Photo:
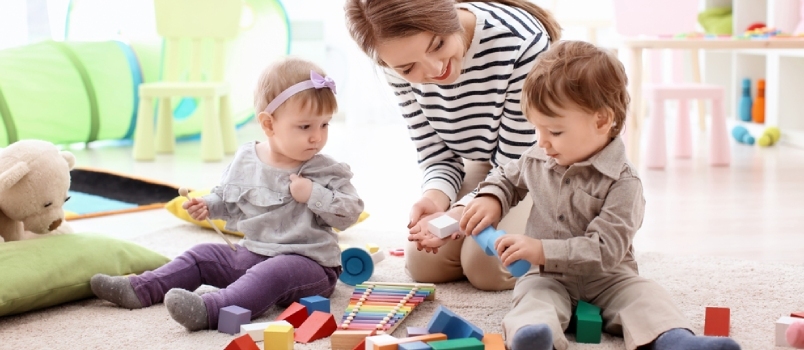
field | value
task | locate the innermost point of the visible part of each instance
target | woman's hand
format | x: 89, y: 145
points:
x: 513, y: 247
x: 420, y: 233
x: 481, y: 212
x: 300, y: 188
x: 197, y: 208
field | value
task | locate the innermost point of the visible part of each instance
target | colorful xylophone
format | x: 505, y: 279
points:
x: 378, y: 308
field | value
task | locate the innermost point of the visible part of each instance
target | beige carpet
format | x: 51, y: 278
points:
x: 758, y: 293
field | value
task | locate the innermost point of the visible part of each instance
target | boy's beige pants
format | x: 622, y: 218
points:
x: 637, y: 308
x: 463, y: 257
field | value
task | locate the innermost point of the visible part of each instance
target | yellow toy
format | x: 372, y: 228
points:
x: 769, y: 137
x: 34, y: 179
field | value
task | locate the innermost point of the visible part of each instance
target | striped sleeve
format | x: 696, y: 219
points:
x: 516, y: 133
x: 443, y: 169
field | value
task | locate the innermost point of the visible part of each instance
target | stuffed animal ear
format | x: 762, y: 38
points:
x: 69, y: 157
x: 11, y: 176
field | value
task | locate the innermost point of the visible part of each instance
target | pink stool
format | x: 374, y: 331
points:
x: 720, y: 153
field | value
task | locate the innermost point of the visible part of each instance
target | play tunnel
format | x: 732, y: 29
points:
x: 84, y: 91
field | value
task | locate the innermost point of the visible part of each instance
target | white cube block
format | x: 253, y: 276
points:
x: 256, y: 330
x: 382, y: 339
x: 781, y: 328
x: 443, y: 226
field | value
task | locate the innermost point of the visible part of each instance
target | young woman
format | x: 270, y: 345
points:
x: 457, y: 69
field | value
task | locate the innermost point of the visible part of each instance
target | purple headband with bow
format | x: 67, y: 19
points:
x: 316, y: 82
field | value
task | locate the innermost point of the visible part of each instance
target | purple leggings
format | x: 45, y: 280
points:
x: 246, y: 279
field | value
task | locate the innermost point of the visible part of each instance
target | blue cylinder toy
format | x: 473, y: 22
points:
x: 745, y: 101
x: 741, y: 134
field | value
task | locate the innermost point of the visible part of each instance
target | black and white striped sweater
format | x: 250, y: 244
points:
x: 478, y: 117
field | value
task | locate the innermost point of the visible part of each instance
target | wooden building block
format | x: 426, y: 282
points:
x: 588, y: 323
x: 394, y: 345
x: 717, y: 321
x: 319, y: 325
x: 419, y: 345
x: 256, y: 330
x: 494, y: 341
x: 295, y: 314
x: 797, y: 314
x: 278, y: 337
x: 443, y: 226
x: 375, y: 341
x: 243, y: 342
x: 231, y: 317
x: 417, y: 331
x: 372, y: 248
x: 782, y: 324
x: 315, y: 303
x: 454, y: 326
x: 457, y: 344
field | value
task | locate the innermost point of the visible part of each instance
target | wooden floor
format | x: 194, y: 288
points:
x: 753, y: 209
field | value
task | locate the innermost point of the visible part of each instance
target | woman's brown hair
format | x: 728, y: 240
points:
x: 579, y: 73
x: 373, y: 21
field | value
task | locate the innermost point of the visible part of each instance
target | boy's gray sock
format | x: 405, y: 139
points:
x: 533, y: 337
x: 187, y: 308
x: 682, y: 339
x: 117, y: 290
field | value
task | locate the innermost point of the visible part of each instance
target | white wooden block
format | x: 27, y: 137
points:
x: 781, y: 328
x: 256, y: 330
x: 443, y: 226
x: 382, y: 339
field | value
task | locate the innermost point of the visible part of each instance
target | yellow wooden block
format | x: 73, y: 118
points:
x: 372, y: 248
x: 278, y: 337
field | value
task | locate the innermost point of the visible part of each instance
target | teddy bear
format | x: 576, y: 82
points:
x: 34, y: 180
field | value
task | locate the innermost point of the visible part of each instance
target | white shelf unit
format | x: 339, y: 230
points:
x: 783, y: 70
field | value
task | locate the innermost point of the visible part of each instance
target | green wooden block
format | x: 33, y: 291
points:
x: 588, y: 328
x: 457, y: 344
x: 585, y: 308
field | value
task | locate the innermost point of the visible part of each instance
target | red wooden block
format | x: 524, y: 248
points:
x: 318, y: 325
x: 717, y: 321
x: 797, y: 314
x: 295, y: 314
x: 243, y: 342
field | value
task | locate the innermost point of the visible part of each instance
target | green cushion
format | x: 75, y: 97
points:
x: 48, y: 271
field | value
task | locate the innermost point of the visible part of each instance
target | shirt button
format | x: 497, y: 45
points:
x: 318, y: 204
x: 566, y: 181
x: 561, y: 217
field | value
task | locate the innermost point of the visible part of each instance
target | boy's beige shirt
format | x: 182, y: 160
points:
x: 585, y: 214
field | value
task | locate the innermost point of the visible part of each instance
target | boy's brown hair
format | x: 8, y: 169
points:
x: 579, y: 73
x: 286, y: 73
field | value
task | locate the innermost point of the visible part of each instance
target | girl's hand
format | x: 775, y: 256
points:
x: 481, y: 212
x: 300, y: 188
x: 197, y: 208
x: 513, y: 247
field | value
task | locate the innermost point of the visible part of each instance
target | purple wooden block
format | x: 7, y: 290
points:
x: 231, y: 317
x: 417, y: 331
x: 419, y: 345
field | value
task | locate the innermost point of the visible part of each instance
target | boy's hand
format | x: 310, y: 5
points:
x: 513, y: 247
x: 197, y: 208
x: 481, y: 212
x: 420, y: 233
x: 300, y: 188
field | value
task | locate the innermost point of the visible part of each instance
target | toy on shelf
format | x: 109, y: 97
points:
x: 717, y: 321
x: 795, y: 334
x: 745, y: 101
x: 769, y: 137
x: 758, y: 109
x: 486, y: 239
x: 231, y: 318
x: 358, y: 265
x: 741, y: 134
x: 378, y: 308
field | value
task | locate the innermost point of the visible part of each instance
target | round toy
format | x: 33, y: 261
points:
x: 357, y: 266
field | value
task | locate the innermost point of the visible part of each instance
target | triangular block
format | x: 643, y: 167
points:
x: 243, y: 342
x: 295, y: 314
x: 318, y: 325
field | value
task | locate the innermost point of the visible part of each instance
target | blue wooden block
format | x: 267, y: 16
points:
x: 315, y: 303
x: 486, y: 240
x: 453, y: 326
x: 230, y: 319
x: 419, y: 345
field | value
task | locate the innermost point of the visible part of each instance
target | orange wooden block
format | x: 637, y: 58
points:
x: 717, y: 320
x: 295, y: 314
x: 493, y: 341
x: 425, y: 338
x: 362, y: 344
x: 318, y: 325
x: 243, y: 342
x: 798, y: 314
